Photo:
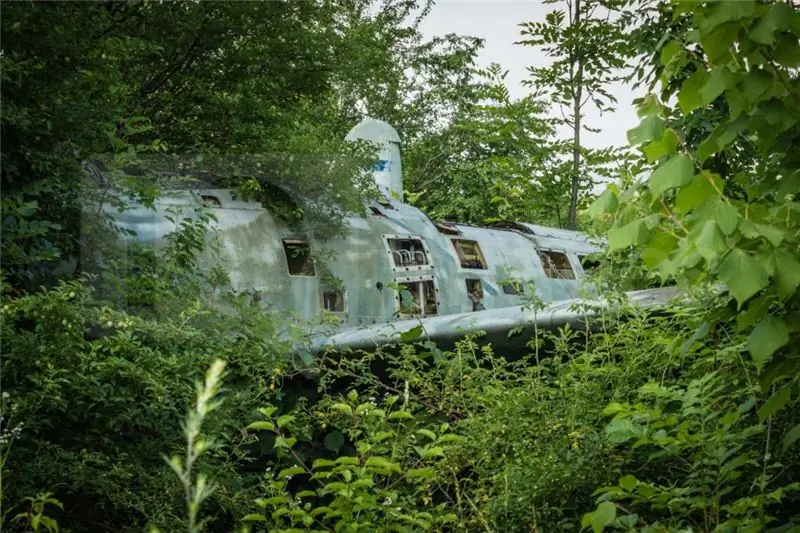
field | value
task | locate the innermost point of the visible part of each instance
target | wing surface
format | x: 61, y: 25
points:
x: 496, y: 323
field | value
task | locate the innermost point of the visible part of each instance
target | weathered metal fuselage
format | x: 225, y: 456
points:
x: 395, y: 263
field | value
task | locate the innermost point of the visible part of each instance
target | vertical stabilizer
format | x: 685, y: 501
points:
x: 388, y: 172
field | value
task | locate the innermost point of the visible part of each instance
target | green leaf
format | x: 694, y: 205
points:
x: 649, y: 129
x: 726, y: 215
x: 397, y: 415
x: 763, y: 31
x: 751, y: 230
x: 677, y: 171
x: 743, y: 274
x: 757, y: 309
x: 427, y: 433
x: 291, y: 471
x: 703, y: 186
x: 254, y: 518
x: 649, y: 107
x: 628, y: 482
x: 715, y: 85
x: 666, y: 146
x: 631, y: 234
x: 668, y: 51
x: 412, y: 334
x: 658, y: 249
x: 710, y: 241
x: 342, y: 408
x: 776, y: 402
x: 282, y: 442
x: 435, y: 451
x: 268, y: 411
x: 605, y: 203
x: 791, y: 437
x: 322, y: 463
x: 689, y: 95
x: 285, y: 420
x: 384, y: 464
x: 787, y: 273
x: 27, y: 209
x: 421, y: 473
x: 334, y: 441
x: 768, y: 336
x: 605, y: 514
x: 613, y: 408
x: 262, y: 425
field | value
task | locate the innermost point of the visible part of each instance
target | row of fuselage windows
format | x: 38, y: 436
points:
x: 419, y: 298
x: 411, y: 252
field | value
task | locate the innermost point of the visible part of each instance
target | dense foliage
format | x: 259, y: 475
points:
x: 685, y: 420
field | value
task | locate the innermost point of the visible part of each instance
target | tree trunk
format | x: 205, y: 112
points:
x: 577, y: 93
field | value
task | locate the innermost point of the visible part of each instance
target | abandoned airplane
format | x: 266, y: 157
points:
x: 397, y: 269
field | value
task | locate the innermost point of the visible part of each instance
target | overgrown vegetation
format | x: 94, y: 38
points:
x: 684, y: 420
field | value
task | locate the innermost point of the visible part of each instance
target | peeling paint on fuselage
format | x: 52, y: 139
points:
x: 252, y: 252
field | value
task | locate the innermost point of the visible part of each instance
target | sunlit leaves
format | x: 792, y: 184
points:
x: 702, y: 187
x: 631, y: 234
x: 675, y: 172
x: 662, y: 147
x: 607, y: 202
x: 649, y: 129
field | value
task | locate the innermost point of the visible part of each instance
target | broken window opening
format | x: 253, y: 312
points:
x: 512, y: 287
x: 387, y: 203
x: 333, y: 300
x: 408, y: 252
x: 588, y: 262
x: 417, y: 298
x: 469, y: 254
x: 298, y: 257
x: 448, y: 228
x: 210, y: 201
x: 475, y: 293
x: 556, y: 265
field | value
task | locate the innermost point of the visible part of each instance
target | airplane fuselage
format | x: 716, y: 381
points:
x: 394, y: 264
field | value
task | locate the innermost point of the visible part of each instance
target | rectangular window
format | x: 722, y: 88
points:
x: 469, y: 254
x: 556, y: 265
x: 298, y: 257
x: 475, y: 293
x: 333, y: 301
x: 417, y: 298
x: 512, y: 287
x: 408, y: 252
x: 588, y: 263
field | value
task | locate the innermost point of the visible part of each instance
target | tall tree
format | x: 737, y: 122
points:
x: 493, y: 161
x: 238, y: 84
x: 587, y: 52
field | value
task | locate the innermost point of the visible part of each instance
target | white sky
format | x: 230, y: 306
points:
x: 497, y: 21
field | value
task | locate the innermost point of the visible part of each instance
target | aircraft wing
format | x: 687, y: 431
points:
x: 496, y: 323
